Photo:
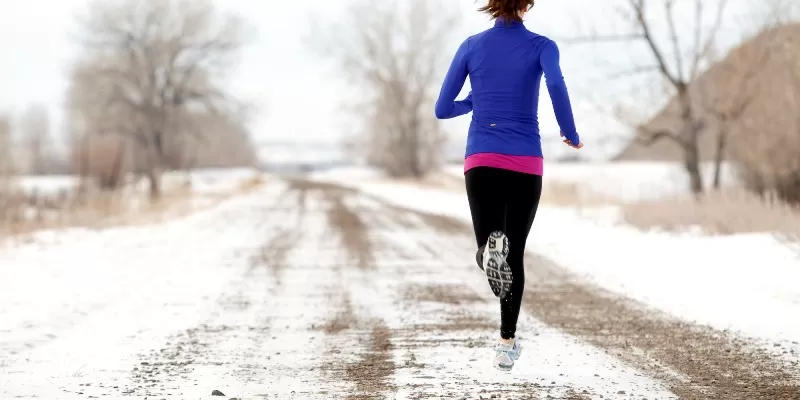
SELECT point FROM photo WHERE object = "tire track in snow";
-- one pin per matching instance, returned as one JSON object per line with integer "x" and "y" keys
{"x": 373, "y": 372}
{"x": 433, "y": 329}
{"x": 273, "y": 254}
{"x": 366, "y": 336}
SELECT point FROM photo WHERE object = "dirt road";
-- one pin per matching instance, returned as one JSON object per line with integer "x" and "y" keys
{"x": 343, "y": 296}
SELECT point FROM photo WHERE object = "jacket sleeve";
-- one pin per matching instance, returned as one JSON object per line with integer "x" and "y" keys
{"x": 557, "y": 87}
{"x": 446, "y": 106}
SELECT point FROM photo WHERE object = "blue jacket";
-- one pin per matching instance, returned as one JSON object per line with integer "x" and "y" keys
{"x": 505, "y": 65}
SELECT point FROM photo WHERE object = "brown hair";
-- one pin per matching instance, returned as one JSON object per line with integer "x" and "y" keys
{"x": 507, "y": 10}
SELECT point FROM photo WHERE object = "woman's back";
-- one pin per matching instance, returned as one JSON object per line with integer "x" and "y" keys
{"x": 505, "y": 65}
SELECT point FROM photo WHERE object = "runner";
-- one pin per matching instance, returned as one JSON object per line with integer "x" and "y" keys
{"x": 504, "y": 164}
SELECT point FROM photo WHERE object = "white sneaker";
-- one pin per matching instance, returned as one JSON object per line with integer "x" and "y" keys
{"x": 493, "y": 263}
{"x": 506, "y": 354}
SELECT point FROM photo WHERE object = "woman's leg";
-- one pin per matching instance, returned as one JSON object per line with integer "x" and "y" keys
{"x": 525, "y": 191}
{"x": 511, "y": 210}
{"x": 487, "y": 200}
{"x": 488, "y": 209}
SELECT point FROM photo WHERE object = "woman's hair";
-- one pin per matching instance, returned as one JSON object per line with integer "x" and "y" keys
{"x": 507, "y": 10}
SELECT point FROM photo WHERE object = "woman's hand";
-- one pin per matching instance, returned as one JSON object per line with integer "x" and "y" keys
{"x": 568, "y": 143}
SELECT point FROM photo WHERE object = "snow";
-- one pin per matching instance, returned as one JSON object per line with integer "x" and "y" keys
{"x": 47, "y": 185}
{"x": 89, "y": 302}
{"x": 350, "y": 174}
{"x": 81, "y": 310}
{"x": 85, "y": 308}
{"x": 741, "y": 282}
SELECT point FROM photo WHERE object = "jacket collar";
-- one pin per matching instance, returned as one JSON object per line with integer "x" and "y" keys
{"x": 501, "y": 22}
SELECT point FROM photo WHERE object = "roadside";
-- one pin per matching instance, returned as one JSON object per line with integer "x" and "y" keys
{"x": 54, "y": 203}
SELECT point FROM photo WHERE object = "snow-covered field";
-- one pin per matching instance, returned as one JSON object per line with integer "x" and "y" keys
{"x": 203, "y": 180}
{"x": 358, "y": 287}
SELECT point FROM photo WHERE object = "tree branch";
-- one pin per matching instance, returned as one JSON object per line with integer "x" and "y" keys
{"x": 648, "y": 137}
{"x": 702, "y": 52}
{"x": 639, "y": 11}
{"x": 669, "y": 9}
{"x": 593, "y": 39}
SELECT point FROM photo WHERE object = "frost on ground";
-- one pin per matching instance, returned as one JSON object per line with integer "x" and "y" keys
{"x": 310, "y": 290}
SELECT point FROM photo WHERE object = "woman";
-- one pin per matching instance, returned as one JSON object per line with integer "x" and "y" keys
{"x": 503, "y": 165}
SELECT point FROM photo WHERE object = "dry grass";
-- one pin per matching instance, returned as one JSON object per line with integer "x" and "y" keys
{"x": 726, "y": 212}
{"x": 568, "y": 194}
{"x": 252, "y": 183}
{"x": 437, "y": 180}
{"x": 25, "y": 214}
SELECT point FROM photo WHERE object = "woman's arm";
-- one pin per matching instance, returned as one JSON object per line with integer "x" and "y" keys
{"x": 464, "y": 106}
{"x": 550, "y": 61}
{"x": 446, "y": 106}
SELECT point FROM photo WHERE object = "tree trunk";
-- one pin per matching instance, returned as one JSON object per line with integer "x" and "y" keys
{"x": 414, "y": 150}
{"x": 116, "y": 175}
{"x": 719, "y": 157}
{"x": 154, "y": 179}
{"x": 154, "y": 174}
{"x": 691, "y": 139}
{"x": 692, "y": 165}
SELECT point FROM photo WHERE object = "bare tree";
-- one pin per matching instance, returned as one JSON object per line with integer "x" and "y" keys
{"x": 147, "y": 63}
{"x": 737, "y": 74}
{"x": 35, "y": 137}
{"x": 766, "y": 149}
{"x": 678, "y": 60}
{"x": 737, "y": 81}
{"x": 6, "y": 162}
{"x": 6, "y": 159}
{"x": 394, "y": 57}
{"x": 779, "y": 12}
{"x": 221, "y": 141}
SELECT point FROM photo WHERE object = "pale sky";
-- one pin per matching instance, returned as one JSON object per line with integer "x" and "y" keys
{"x": 299, "y": 95}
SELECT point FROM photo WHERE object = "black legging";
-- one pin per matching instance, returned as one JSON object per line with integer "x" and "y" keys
{"x": 503, "y": 200}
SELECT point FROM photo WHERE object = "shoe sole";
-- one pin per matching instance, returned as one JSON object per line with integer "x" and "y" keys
{"x": 503, "y": 368}
{"x": 497, "y": 270}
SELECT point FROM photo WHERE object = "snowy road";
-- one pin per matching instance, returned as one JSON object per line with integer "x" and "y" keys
{"x": 313, "y": 291}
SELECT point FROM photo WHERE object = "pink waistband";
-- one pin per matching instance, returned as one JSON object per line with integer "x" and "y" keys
{"x": 525, "y": 164}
